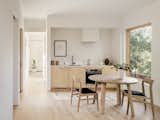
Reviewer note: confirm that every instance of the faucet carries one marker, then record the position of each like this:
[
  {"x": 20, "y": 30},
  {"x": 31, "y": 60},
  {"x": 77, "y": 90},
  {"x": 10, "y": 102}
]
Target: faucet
[
  {"x": 73, "y": 63},
  {"x": 88, "y": 61}
]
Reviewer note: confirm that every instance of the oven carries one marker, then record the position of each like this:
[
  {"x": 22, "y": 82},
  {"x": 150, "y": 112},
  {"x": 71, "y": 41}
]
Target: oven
[{"x": 92, "y": 72}]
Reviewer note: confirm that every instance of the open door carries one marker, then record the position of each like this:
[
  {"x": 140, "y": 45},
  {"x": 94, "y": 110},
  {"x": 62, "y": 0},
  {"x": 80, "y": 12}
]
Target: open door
[{"x": 21, "y": 60}]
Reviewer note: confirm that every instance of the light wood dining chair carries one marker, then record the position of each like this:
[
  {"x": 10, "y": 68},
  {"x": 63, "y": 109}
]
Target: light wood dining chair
[
  {"x": 82, "y": 92},
  {"x": 140, "y": 96}
]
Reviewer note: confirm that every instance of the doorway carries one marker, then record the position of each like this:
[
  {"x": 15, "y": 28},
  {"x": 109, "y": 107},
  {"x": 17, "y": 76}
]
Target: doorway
[{"x": 35, "y": 53}]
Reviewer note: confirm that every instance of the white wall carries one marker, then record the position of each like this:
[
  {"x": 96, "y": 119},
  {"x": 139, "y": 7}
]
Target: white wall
[
  {"x": 6, "y": 63},
  {"x": 81, "y": 21},
  {"x": 117, "y": 43},
  {"x": 138, "y": 17},
  {"x": 35, "y": 25},
  {"x": 96, "y": 51},
  {"x": 7, "y": 9}
]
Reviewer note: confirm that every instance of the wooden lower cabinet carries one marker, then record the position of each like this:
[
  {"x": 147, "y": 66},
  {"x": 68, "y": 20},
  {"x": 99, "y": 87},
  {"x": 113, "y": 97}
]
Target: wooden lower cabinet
[{"x": 61, "y": 77}]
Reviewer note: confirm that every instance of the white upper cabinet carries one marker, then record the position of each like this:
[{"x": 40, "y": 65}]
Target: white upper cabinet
[{"x": 90, "y": 35}]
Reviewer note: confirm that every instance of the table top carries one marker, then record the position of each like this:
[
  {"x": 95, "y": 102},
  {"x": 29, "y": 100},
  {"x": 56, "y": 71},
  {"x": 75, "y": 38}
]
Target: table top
[{"x": 114, "y": 79}]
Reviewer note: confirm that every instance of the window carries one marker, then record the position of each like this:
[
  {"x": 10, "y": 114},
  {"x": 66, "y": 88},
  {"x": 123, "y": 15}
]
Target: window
[{"x": 139, "y": 49}]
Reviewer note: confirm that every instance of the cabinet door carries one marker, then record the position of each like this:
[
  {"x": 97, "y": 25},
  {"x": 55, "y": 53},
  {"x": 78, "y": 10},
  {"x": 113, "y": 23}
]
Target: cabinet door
[
  {"x": 78, "y": 73},
  {"x": 59, "y": 77}
]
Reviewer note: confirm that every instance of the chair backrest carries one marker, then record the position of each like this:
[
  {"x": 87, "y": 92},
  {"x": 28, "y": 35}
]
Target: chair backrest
[
  {"x": 76, "y": 80},
  {"x": 111, "y": 70},
  {"x": 150, "y": 83}
]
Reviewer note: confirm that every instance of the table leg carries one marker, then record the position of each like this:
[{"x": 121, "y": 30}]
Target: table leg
[
  {"x": 103, "y": 95},
  {"x": 130, "y": 99},
  {"x": 96, "y": 85},
  {"x": 118, "y": 94}
]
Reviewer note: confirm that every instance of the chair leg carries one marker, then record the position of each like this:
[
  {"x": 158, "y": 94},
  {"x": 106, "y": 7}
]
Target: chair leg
[
  {"x": 87, "y": 100},
  {"x": 122, "y": 98},
  {"x": 128, "y": 107},
  {"x": 79, "y": 100},
  {"x": 96, "y": 85},
  {"x": 152, "y": 106},
  {"x": 145, "y": 106},
  {"x": 94, "y": 98},
  {"x": 97, "y": 102},
  {"x": 71, "y": 98}
]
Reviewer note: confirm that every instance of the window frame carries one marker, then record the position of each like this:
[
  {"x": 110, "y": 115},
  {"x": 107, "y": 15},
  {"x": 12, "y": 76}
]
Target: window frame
[{"x": 128, "y": 31}]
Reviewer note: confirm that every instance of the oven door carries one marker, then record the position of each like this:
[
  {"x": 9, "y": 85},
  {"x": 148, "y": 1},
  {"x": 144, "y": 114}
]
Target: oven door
[{"x": 89, "y": 73}]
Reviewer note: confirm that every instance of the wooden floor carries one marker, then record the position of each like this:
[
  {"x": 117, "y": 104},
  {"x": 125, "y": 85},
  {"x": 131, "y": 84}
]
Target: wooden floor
[{"x": 39, "y": 104}]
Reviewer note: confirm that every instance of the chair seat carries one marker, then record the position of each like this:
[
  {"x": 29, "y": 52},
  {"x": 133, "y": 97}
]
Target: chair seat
[
  {"x": 86, "y": 90},
  {"x": 138, "y": 93}
]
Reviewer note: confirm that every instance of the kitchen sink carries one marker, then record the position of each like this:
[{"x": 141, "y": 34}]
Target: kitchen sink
[{"x": 75, "y": 65}]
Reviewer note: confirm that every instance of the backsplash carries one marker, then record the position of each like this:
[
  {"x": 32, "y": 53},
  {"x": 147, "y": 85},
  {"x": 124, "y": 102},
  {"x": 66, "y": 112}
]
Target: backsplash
[{"x": 96, "y": 51}]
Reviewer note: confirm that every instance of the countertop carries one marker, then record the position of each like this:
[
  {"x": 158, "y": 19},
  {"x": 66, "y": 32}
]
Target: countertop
[{"x": 82, "y": 66}]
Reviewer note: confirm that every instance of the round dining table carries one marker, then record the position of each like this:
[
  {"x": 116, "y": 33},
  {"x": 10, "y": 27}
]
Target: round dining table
[{"x": 114, "y": 79}]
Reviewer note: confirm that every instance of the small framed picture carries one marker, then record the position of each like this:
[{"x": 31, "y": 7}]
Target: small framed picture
[{"x": 60, "y": 48}]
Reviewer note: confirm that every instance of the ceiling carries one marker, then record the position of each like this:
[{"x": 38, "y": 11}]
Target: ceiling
[{"x": 41, "y": 8}]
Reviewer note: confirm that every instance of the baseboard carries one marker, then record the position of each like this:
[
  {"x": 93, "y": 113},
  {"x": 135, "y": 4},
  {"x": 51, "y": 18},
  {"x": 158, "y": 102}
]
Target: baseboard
[
  {"x": 60, "y": 89},
  {"x": 69, "y": 89}
]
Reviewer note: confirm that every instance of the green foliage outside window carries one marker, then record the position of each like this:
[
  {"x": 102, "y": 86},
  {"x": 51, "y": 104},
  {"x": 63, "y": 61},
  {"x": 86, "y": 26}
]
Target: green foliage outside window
[{"x": 140, "y": 50}]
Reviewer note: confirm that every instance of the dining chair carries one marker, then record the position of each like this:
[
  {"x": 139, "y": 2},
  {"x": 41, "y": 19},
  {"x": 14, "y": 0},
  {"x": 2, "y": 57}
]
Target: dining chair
[
  {"x": 140, "y": 96},
  {"x": 83, "y": 92},
  {"x": 110, "y": 70}
]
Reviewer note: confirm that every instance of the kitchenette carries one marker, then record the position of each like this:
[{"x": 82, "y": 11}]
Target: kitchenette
[{"x": 80, "y": 52}]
